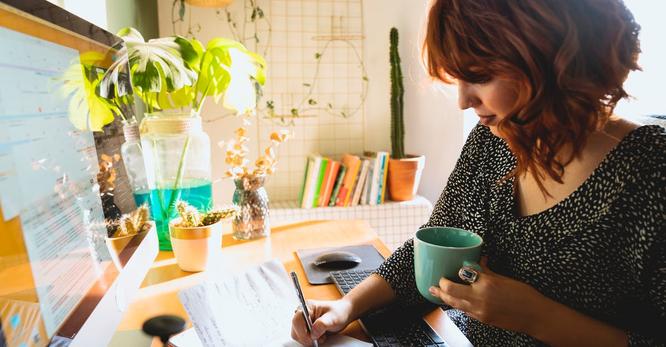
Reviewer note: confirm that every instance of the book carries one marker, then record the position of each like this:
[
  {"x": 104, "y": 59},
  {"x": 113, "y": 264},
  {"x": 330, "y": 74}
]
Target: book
[
  {"x": 320, "y": 179},
  {"x": 360, "y": 184},
  {"x": 305, "y": 180},
  {"x": 338, "y": 184},
  {"x": 382, "y": 190},
  {"x": 314, "y": 162},
  {"x": 329, "y": 181},
  {"x": 353, "y": 163},
  {"x": 368, "y": 182},
  {"x": 376, "y": 158}
]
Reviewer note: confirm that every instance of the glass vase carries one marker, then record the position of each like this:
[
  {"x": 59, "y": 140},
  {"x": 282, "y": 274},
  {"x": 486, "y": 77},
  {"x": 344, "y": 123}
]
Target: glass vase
[
  {"x": 134, "y": 163},
  {"x": 252, "y": 220},
  {"x": 176, "y": 152}
]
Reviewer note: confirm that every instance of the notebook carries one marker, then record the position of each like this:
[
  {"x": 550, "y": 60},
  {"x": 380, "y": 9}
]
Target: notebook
[{"x": 252, "y": 308}]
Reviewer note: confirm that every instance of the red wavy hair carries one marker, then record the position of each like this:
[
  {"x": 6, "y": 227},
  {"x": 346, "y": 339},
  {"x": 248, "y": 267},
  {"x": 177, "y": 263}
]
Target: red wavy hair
[{"x": 568, "y": 57}]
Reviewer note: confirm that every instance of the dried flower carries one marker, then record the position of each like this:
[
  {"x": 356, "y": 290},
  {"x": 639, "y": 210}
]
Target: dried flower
[{"x": 236, "y": 153}]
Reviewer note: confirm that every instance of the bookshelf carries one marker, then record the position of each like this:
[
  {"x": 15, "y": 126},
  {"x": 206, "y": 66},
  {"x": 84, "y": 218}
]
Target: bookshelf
[{"x": 393, "y": 221}]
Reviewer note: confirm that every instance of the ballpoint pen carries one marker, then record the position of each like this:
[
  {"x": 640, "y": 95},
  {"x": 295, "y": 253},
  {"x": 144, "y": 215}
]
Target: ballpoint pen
[{"x": 306, "y": 313}]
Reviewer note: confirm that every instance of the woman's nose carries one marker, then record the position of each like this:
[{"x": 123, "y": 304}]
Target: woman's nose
[{"x": 466, "y": 97}]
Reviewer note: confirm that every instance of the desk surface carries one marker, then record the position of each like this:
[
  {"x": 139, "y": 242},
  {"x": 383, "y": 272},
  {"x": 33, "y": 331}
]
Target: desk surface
[{"x": 158, "y": 294}]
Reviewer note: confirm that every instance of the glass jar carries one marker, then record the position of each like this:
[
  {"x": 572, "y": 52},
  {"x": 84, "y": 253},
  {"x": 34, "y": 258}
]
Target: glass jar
[
  {"x": 176, "y": 152},
  {"x": 134, "y": 165},
  {"x": 252, "y": 220}
]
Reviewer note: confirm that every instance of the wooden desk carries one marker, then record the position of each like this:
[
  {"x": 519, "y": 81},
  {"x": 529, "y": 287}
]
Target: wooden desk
[{"x": 158, "y": 294}]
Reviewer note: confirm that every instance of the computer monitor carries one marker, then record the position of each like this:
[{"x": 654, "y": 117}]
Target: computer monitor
[{"x": 57, "y": 278}]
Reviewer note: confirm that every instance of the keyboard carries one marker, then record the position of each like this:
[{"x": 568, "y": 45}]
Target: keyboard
[{"x": 391, "y": 326}]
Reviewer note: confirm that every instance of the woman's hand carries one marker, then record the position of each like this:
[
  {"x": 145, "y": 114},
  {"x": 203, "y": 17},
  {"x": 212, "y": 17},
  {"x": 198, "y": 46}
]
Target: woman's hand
[
  {"x": 327, "y": 316},
  {"x": 494, "y": 299}
]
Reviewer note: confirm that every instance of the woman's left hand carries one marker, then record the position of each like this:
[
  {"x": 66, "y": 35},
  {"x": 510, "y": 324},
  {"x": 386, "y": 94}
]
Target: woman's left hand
[{"x": 494, "y": 299}]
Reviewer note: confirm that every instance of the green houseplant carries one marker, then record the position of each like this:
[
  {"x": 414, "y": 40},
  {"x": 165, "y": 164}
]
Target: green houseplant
[
  {"x": 404, "y": 171},
  {"x": 177, "y": 73}
]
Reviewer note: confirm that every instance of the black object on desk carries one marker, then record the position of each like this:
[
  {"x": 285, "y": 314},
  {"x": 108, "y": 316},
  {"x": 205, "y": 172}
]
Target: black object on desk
[
  {"x": 164, "y": 327},
  {"x": 369, "y": 257},
  {"x": 391, "y": 326}
]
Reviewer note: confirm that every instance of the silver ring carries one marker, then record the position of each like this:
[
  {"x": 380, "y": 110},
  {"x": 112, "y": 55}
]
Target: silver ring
[{"x": 468, "y": 274}]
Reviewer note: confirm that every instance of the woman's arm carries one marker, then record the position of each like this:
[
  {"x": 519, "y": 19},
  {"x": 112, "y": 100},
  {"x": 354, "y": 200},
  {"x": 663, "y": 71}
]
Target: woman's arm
[
  {"x": 509, "y": 304},
  {"x": 373, "y": 293}
]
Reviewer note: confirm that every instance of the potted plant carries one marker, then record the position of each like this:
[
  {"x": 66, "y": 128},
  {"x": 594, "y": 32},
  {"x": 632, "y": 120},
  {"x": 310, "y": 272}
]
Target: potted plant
[
  {"x": 124, "y": 229},
  {"x": 175, "y": 73},
  {"x": 195, "y": 236},
  {"x": 404, "y": 171}
]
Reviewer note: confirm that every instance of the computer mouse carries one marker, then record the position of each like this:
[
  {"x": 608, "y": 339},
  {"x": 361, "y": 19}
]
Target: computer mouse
[{"x": 337, "y": 260}]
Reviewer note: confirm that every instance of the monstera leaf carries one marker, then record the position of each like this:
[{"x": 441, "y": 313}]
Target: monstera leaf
[
  {"x": 175, "y": 71},
  {"x": 87, "y": 110},
  {"x": 228, "y": 69},
  {"x": 157, "y": 68}
]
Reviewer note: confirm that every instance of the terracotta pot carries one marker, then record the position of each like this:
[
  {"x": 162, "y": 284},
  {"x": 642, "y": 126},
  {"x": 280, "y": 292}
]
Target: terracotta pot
[
  {"x": 404, "y": 176},
  {"x": 195, "y": 247}
]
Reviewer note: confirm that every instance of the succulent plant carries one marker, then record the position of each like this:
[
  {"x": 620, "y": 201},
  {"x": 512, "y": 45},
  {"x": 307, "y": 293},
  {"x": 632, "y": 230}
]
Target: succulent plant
[
  {"x": 190, "y": 217},
  {"x": 397, "y": 102},
  {"x": 132, "y": 223}
]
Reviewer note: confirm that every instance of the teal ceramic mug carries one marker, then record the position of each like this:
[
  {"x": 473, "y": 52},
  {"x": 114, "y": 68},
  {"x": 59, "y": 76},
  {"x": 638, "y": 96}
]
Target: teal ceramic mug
[{"x": 441, "y": 252}]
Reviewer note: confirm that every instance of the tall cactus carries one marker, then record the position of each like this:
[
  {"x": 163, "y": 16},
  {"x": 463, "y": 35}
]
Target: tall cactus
[{"x": 397, "y": 105}]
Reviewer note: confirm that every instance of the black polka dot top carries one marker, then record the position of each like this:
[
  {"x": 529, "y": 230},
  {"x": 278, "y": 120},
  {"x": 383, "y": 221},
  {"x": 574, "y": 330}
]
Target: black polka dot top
[{"x": 600, "y": 251}]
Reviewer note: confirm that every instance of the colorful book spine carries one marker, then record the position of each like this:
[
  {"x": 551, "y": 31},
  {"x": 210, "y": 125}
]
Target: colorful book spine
[
  {"x": 320, "y": 179},
  {"x": 353, "y": 163},
  {"x": 301, "y": 195},
  {"x": 360, "y": 184},
  {"x": 382, "y": 190},
  {"x": 377, "y": 168},
  {"x": 338, "y": 184},
  {"x": 329, "y": 182},
  {"x": 310, "y": 187},
  {"x": 368, "y": 182}
]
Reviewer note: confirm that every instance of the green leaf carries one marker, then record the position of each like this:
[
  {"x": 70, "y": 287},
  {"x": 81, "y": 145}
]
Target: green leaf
[
  {"x": 87, "y": 110},
  {"x": 157, "y": 67}
]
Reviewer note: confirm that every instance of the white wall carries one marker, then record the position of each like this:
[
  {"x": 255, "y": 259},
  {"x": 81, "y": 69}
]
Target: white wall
[
  {"x": 646, "y": 86},
  {"x": 432, "y": 120}
]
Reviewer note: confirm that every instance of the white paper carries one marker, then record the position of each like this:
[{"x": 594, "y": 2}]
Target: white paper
[
  {"x": 189, "y": 338},
  {"x": 253, "y": 308}
]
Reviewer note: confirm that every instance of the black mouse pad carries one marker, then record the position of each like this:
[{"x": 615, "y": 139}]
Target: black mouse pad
[{"x": 370, "y": 259}]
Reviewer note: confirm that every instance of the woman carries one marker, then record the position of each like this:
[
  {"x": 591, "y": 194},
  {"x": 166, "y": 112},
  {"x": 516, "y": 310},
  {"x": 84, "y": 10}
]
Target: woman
[{"x": 569, "y": 198}]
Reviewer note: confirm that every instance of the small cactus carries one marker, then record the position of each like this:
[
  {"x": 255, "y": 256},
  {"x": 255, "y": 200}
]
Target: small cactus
[
  {"x": 215, "y": 216},
  {"x": 142, "y": 216},
  {"x": 127, "y": 226},
  {"x": 132, "y": 223},
  {"x": 190, "y": 217}
]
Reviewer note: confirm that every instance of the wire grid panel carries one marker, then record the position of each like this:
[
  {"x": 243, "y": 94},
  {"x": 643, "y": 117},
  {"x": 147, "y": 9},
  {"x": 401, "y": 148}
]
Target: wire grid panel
[
  {"x": 316, "y": 84},
  {"x": 394, "y": 222}
]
